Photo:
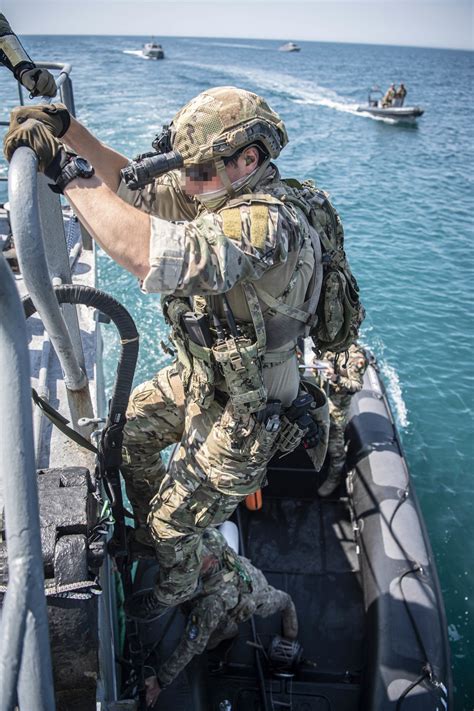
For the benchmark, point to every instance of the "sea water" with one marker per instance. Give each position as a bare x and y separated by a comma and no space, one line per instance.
405,194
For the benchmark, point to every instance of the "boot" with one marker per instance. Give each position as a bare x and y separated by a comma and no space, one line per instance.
330,484
289,621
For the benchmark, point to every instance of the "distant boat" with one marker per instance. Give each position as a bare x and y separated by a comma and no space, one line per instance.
395,111
289,47
153,50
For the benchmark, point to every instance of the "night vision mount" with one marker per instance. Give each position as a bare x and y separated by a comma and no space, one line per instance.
146,167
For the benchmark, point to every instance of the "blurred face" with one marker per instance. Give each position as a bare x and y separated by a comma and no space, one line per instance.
203,178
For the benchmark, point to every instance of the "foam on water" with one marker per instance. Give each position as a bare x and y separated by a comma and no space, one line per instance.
395,394
136,53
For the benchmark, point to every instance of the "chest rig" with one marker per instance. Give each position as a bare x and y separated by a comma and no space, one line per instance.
218,351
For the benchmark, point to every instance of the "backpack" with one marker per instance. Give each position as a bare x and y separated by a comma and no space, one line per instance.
339,311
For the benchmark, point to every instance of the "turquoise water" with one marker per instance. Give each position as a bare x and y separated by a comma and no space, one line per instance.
405,194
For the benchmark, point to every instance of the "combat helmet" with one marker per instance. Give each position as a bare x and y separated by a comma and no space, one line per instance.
219,122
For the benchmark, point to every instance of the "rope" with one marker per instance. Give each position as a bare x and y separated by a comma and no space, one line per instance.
68,590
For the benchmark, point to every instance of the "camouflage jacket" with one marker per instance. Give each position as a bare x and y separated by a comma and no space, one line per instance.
11,51
209,253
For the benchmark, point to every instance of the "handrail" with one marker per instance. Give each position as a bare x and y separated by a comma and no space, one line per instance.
26,677
29,223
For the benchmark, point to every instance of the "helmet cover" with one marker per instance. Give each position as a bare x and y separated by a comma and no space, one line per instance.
220,121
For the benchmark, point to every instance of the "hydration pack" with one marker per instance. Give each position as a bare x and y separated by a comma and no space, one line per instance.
339,311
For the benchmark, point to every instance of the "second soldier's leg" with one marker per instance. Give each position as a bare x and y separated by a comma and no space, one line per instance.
219,462
337,454
268,600
155,420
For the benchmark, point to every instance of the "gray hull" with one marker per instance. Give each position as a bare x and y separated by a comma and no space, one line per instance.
399,113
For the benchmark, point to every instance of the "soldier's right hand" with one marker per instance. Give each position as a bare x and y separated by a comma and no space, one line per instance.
39,82
55,117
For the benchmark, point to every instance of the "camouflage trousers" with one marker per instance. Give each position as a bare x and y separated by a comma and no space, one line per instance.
336,446
215,616
220,459
264,600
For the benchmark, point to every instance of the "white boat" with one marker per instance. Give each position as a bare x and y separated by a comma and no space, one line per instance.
153,50
395,111
289,47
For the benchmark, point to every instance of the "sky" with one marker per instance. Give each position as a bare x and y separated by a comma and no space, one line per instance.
422,23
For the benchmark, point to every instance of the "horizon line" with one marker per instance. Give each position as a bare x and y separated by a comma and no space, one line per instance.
248,39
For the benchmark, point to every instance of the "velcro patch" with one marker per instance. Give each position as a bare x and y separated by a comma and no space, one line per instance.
232,223
258,225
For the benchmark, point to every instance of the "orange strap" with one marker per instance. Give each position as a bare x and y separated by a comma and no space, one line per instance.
254,502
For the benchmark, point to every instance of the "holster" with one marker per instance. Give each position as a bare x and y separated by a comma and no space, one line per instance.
320,415
196,360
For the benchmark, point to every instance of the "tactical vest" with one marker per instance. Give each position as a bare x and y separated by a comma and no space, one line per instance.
269,322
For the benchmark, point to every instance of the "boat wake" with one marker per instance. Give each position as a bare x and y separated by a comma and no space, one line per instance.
239,46
395,394
299,91
136,52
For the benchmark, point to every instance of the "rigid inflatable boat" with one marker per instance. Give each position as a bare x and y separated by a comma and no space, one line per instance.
362,575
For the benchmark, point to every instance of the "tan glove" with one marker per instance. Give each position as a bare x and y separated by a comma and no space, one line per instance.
55,117
36,136
39,82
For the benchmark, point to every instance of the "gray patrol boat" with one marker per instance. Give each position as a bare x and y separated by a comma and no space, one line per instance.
153,50
358,565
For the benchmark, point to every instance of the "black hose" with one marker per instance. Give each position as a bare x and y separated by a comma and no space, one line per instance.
94,298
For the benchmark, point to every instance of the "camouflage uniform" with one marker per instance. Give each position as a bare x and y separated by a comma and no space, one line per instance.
222,457
388,96
226,599
347,380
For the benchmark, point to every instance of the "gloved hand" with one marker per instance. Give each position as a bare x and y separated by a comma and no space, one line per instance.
39,82
55,116
320,415
36,136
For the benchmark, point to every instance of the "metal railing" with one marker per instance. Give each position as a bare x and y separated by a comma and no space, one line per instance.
26,679
25,662
38,228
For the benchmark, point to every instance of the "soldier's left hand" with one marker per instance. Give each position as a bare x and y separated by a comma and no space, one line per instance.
39,82
36,136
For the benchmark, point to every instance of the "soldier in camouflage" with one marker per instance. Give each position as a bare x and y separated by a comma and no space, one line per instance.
220,226
231,590
344,376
